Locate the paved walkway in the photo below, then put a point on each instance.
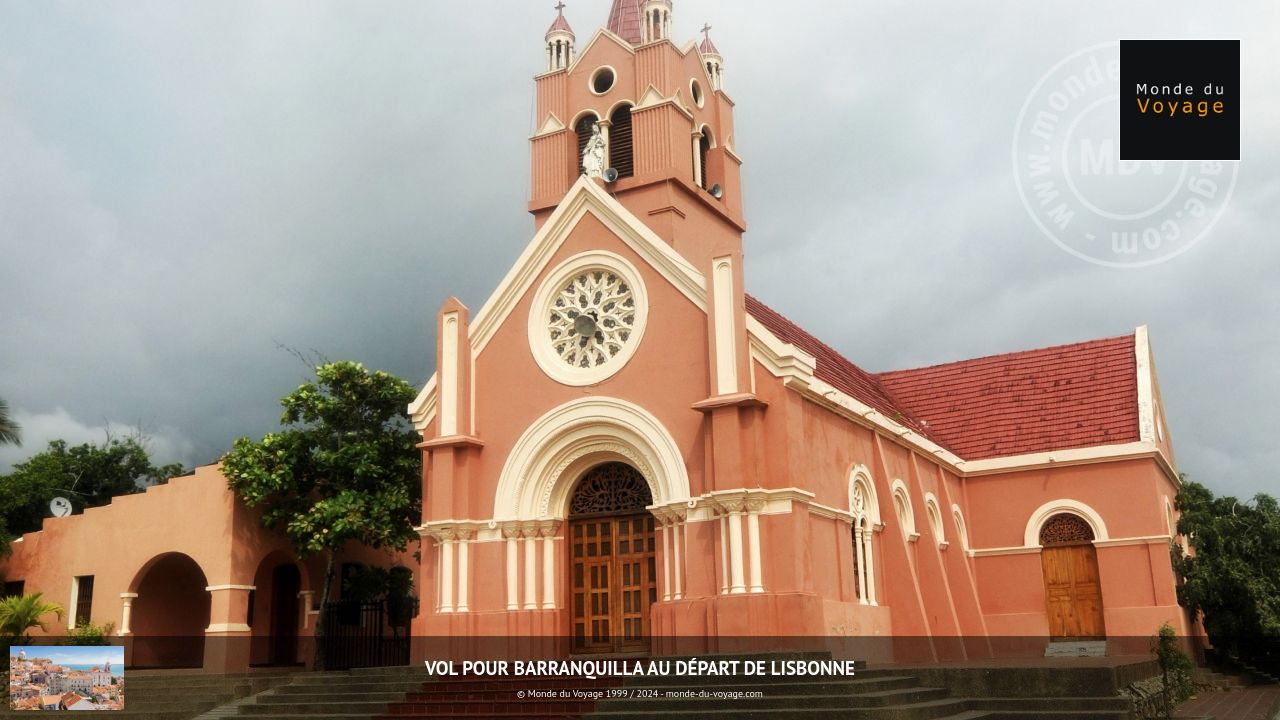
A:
(1253, 703)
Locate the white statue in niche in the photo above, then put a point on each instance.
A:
(593, 155)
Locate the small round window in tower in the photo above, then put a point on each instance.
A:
(587, 318)
(695, 89)
(602, 80)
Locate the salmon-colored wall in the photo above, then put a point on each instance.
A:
(166, 546)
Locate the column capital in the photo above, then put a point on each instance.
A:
(128, 596)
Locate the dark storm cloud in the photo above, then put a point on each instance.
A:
(184, 187)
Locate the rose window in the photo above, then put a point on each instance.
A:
(592, 318)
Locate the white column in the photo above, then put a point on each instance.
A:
(724, 553)
(513, 567)
(666, 558)
(735, 547)
(860, 581)
(548, 532)
(869, 553)
(724, 319)
(464, 542)
(753, 544)
(447, 388)
(126, 614)
(697, 159)
(530, 568)
(677, 538)
(446, 571)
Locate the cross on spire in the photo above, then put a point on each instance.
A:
(706, 30)
(560, 7)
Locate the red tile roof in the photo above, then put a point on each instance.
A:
(1068, 396)
(1054, 398)
(706, 47)
(624, 20)
(560, 24)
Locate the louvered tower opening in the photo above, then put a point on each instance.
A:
(704, 145)
(621, 152)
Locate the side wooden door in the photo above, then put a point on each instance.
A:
(1073, 592)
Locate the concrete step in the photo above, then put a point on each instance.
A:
(813, 687)
(931, 710)
(307, 705)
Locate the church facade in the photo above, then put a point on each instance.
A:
(625, 451)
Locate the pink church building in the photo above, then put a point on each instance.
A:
(625, 452)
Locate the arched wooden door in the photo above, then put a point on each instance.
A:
(1072, 586)
(612, 560)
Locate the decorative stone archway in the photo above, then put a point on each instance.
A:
(538, 477)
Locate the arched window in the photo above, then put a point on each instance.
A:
(1066, 529)
(704, 146)
(866, 515)
(961, 529)
(935, 519)
(621, 153)
(902, 506)
(583, 128)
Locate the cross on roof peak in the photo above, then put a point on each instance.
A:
(706, 30)
(560, 7)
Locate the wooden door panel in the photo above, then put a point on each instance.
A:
(614, 582)
(1073, 591)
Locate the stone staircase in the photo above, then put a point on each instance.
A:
(873, 694)
(161, 696)
(410, 693)
(347, 695)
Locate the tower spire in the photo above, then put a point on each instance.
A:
(712, 59)
(624, 20)
(560, 42)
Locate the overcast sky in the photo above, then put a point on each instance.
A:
(186, 186)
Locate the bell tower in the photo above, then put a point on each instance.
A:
(654, 114)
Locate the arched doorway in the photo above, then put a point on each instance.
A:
(612, 560)
(170, 613)
(274, 611)
(1072, 587)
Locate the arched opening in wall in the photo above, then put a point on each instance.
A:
(961, 529)
(705, 142)
(169, 614)
(935, 520)
(612, 560)
(862, 502)
(583, 128)
(902, 508)
(621, 152)
(275, 611)
(1072, 586)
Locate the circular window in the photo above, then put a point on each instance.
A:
(587, 318)
(695, 89)
(602, 80)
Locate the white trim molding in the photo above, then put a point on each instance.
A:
(1031, 537)
(1146, 386)
(538, 476)
(216, 588)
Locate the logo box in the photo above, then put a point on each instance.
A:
(1180, 99)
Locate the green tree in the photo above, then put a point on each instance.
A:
(20, 613)
(1232, 574)
(344, 469)
(88, 475)
(10, 431)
